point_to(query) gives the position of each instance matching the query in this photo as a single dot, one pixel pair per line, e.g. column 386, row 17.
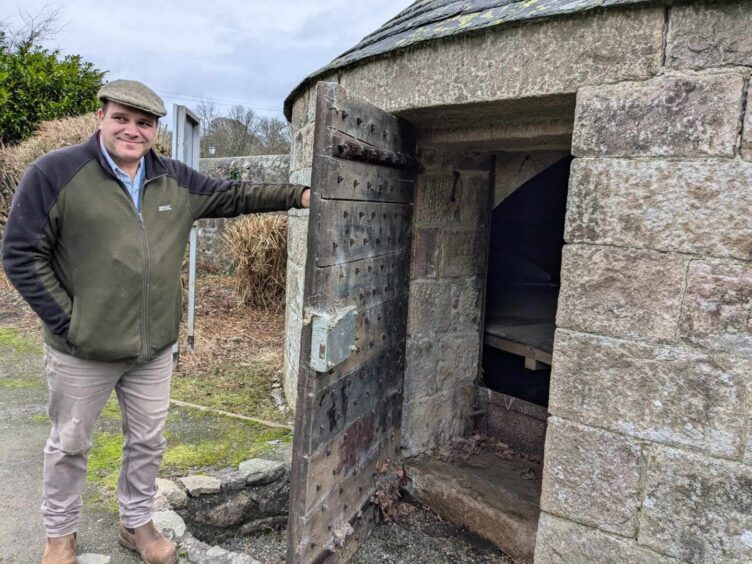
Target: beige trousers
column 79, row 390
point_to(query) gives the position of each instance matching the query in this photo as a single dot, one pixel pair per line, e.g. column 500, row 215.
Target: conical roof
column 427, row 20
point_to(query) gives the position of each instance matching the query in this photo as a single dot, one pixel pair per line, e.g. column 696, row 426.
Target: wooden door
column 346, row 445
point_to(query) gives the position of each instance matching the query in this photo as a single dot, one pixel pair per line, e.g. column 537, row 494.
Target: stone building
column 580, row 284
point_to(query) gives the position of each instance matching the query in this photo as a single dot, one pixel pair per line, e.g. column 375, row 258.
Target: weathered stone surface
column 196, row 551
column 232, row 480
column 663, row 394
column 301, row 149
column 293, row 331
column 439, row 365
column 426, row 253
column 161, row 504
column 174, row 494
column 170, row 524
column 301, row 176
column 297, row 236
column 198, row 485
column 563, row 542
column 591, row 476
column 681, row 116
column 463, row 252
column 429, row 307
column 714, row 35
column 514, row 169
column 692, row 206
column 262, row 525
column 620, row 292
column 227, row 514
column 259, row 471
column 91, row 558
column 257, row 168
column 747, row 136
column 696, row 508
column 466, row 303
column 552, row 57
column 717, row 306
column 433, row 421
column 438, row 199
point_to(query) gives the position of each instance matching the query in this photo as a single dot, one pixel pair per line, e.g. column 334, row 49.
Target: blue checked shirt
column 133, row 186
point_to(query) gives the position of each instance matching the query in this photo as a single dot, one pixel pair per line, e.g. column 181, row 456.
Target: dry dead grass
column 50, row 135
column 257, row 245
column 238, row 357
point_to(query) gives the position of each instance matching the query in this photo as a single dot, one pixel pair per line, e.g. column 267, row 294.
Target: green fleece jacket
column 104, row 278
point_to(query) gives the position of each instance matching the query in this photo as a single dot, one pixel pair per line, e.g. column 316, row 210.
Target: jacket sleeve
column 212, row 197
column 28, row 242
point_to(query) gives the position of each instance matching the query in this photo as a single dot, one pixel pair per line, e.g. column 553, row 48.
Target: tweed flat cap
column 134, row 94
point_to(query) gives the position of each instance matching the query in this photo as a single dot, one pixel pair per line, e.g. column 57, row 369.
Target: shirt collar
column 115, row 168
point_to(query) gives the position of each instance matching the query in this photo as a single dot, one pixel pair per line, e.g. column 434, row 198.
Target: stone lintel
column 553, row 57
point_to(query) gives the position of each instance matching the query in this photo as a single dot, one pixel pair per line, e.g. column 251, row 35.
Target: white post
column 185, row 148
column 192, row 286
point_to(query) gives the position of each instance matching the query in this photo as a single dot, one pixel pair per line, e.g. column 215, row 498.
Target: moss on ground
column 19, row 383
column 245, row 390
column 12, row 338
column 197, row 441
column 40, row 419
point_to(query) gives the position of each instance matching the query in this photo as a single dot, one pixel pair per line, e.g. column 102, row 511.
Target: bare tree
column 207, row 113
column 274, row 136
column 40, row 26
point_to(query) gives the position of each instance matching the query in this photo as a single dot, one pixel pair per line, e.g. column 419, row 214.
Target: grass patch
column 104, row 468
column 19, row 383
column 40, row 419
column 12, row 338
column 197, row 441
column 245, row 390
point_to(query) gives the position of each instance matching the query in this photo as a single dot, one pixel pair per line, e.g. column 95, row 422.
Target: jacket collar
column 154, row 164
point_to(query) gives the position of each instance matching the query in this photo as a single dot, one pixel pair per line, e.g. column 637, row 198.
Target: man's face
column 127, row 133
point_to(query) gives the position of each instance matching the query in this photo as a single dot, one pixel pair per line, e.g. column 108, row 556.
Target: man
column 94, row 243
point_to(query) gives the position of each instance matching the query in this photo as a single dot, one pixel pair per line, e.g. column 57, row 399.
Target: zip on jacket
column 104, row 278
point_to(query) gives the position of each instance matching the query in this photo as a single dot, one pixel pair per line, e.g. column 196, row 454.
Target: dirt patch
column 237, row 362
column 417, row 536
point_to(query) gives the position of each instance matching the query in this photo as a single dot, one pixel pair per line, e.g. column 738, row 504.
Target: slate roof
column 425, row 20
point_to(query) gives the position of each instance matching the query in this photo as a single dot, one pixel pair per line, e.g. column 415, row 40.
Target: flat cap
column 134, row 94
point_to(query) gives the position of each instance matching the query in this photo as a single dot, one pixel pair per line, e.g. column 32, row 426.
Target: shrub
column 40, row 85
column 257, row 245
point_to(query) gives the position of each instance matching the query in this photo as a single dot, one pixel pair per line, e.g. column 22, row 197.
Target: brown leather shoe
column 152, row 546
column 60, row 550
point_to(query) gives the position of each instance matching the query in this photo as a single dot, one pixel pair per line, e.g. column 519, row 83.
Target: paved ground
column 417, row 538
column 23, row 431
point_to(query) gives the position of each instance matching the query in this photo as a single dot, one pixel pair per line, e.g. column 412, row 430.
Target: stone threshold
column 495, row 498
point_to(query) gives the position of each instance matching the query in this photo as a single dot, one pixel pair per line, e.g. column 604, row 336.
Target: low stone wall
column 259, row 168
column 198, row 511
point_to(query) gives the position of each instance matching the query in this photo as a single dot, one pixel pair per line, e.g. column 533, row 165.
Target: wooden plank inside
column 528, row 338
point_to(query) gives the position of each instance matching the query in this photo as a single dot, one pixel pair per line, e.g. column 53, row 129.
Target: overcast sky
column 232, row 51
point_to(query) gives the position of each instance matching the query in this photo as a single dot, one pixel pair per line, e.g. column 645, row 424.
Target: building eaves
column 427, row 20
